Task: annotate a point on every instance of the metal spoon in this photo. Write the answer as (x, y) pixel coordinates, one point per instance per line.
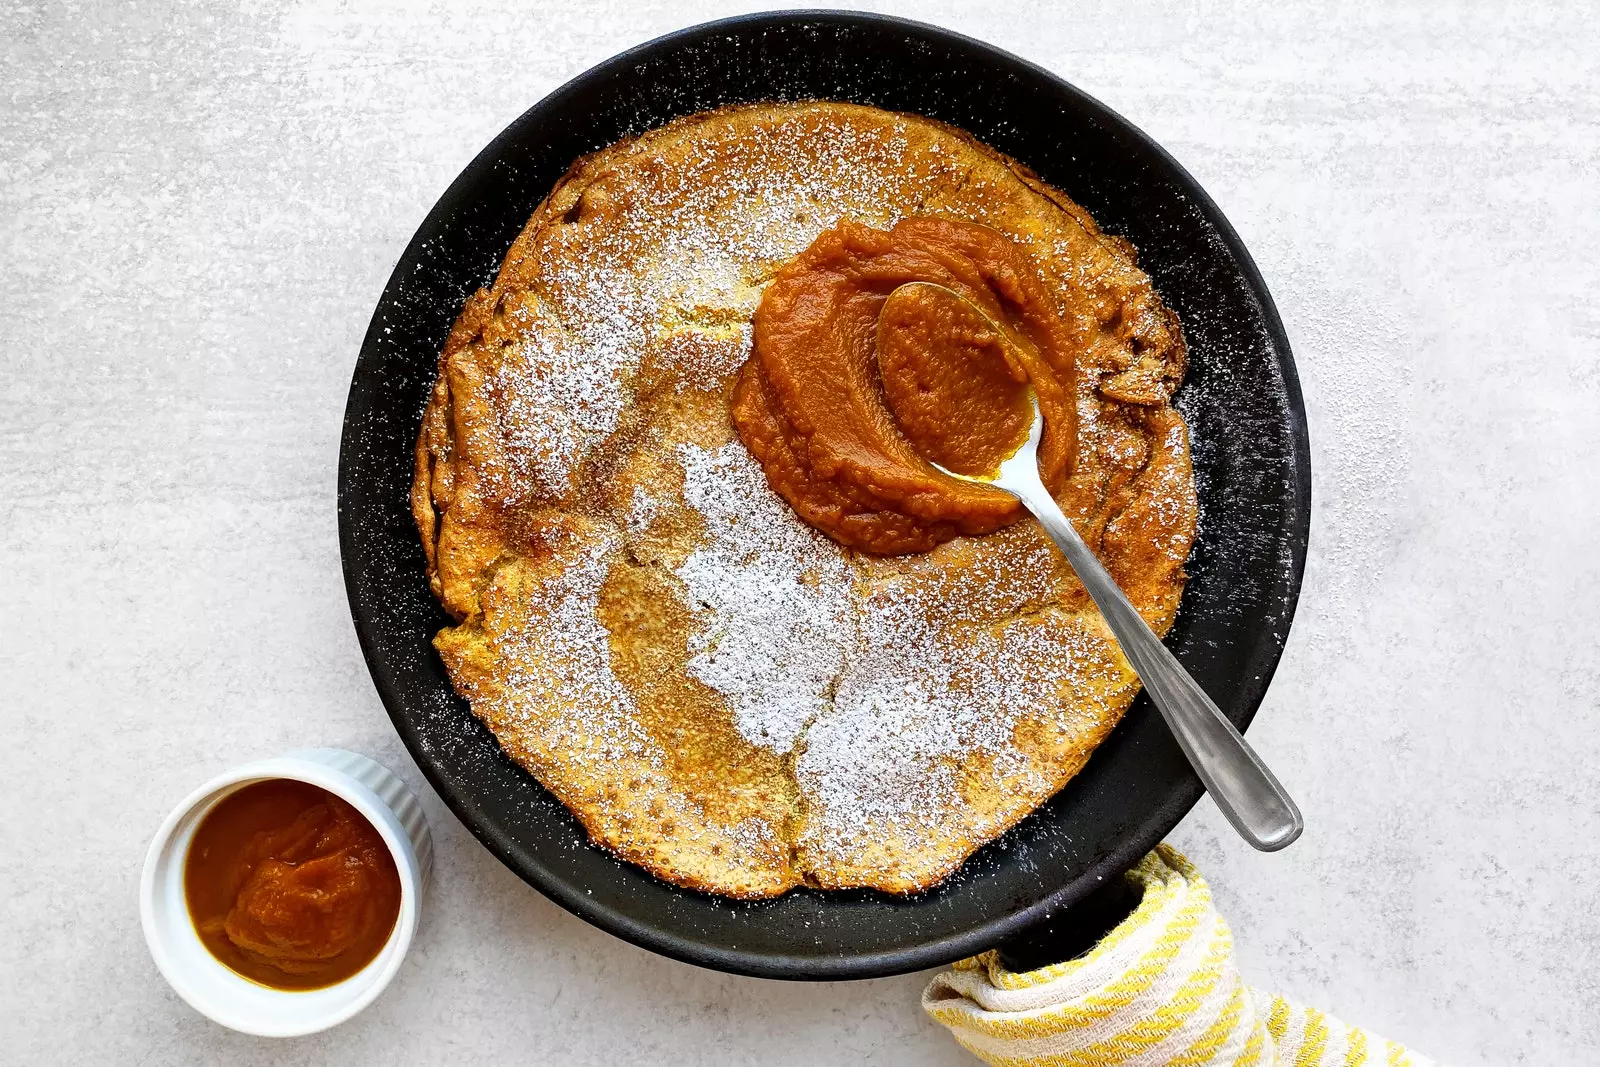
(1240, 783)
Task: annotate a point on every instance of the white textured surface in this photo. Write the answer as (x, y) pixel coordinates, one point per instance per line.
(199, 206)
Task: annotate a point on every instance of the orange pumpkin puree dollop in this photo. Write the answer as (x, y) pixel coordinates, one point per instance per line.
(290, 886)
(850, 398)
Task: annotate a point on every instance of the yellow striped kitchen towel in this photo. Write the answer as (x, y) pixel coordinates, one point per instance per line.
(1160, 990)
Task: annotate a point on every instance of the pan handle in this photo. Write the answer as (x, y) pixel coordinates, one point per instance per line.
(1069, 934)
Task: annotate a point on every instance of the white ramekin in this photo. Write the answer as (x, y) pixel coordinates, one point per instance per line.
(231, 999)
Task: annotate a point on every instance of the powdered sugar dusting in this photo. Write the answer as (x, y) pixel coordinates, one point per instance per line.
(891, 689)
(885, 688)
(570, 656)
(773, 595)
(642, 510)
(699, 250)
(557, 400)
(928, 689)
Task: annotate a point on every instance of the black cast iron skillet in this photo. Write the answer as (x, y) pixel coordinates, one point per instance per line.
(1242, 401)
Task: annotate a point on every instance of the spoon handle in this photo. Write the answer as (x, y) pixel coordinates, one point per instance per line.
(1242, 786)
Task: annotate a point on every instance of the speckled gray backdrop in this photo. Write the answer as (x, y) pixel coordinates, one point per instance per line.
(199, 205)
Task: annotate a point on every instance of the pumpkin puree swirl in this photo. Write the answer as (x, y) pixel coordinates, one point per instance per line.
(848, 395)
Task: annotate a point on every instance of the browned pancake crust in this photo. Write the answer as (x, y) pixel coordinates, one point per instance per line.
(580, 404)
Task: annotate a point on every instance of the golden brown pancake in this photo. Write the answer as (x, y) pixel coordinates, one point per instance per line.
(720, 693)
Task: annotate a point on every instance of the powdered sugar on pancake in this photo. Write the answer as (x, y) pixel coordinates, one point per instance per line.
(691, 254)
(885, 689)
(916, 706)
(773, 595)
(571, 656)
